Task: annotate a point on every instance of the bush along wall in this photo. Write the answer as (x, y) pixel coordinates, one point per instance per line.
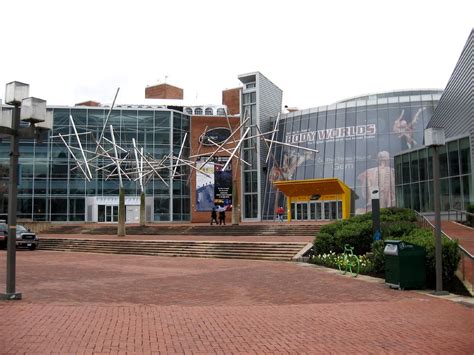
(396, 223)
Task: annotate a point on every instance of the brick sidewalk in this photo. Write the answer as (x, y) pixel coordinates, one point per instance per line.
(90, 303)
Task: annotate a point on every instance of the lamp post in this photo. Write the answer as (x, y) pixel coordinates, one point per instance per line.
(434, 137)
(33, 111)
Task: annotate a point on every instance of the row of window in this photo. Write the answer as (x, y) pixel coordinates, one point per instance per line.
(208, 111)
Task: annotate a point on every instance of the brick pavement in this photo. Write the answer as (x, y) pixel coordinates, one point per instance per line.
(464, 234)
(111, 304)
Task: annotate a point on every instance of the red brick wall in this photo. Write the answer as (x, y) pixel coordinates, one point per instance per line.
(231, 98)
(163, 91)
(198, 125)
(89, 103)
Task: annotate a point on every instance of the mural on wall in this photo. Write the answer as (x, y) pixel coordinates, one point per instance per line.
(405, 128)
(356, 145)
(381, 177)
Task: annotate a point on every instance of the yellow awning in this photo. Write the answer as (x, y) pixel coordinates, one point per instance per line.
(317, 189)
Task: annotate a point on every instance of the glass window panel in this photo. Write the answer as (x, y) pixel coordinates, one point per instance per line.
(445, 195)
(414, 166)
(80, 118)
(162, 208)
(58, 206)
(425, 197)
(406, 168)
(455, 190)
(40, 186)
(60, 117)
(464, 151)
(467, 190)
(453, 156)
(443, 162)
(423, 165)
(415, 196)
(25, 205)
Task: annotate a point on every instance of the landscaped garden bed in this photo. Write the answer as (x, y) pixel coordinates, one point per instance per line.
(396, 223)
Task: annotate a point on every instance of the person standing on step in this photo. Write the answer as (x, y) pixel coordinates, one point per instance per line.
(214, 216)
(221, 211)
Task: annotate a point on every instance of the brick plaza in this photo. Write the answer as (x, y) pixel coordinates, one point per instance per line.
(77, 303)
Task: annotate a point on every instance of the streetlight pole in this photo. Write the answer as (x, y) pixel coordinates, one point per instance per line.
(434, 137)
(33, 111)
(437, 210)
(12, 204)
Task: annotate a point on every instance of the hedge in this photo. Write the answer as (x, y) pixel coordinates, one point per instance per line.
(396, 223)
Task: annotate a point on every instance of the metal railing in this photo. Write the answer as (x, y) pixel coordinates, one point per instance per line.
(462, 216)
(465, 271)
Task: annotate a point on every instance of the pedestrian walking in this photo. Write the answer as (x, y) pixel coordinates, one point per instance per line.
(214, 216)
(280, 211)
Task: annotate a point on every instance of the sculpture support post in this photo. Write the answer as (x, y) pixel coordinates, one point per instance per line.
(121, 216)
(142, 209)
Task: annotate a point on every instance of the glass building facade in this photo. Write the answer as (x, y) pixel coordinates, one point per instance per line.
(414, 177)
(356, 139)
(52, 188)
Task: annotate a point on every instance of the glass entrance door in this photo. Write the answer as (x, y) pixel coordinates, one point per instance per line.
(316, 210)
(107, 213)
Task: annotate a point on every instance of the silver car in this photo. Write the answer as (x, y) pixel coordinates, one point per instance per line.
(24, 237)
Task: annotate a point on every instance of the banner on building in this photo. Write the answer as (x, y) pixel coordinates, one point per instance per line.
(223, 185)
(205, 186)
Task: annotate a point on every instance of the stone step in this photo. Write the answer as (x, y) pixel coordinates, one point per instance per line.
(240, 250)
(263, 229)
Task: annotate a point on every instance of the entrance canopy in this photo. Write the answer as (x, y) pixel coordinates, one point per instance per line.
(317, 189)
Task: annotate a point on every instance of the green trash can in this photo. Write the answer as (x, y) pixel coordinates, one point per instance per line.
(404, 265)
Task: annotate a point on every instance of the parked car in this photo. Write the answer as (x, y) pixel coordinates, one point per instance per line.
(24, 237)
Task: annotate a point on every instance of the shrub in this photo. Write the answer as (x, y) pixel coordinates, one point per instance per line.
(395, 230)
(357, 235)
(450, 255)
(378, 257)
(394, 214)
(324, 243)
(357, 231)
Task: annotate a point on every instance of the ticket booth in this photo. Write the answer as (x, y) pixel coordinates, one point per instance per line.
(316, 199)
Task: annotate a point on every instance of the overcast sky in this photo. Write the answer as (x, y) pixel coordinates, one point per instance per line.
(317, 52)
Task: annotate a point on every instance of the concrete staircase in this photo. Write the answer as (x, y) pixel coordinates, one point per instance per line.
(272, 229)
(201, 249)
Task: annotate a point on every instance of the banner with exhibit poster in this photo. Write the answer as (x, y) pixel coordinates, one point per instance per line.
(213, 185)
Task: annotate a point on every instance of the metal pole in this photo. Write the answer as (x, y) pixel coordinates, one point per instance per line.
(437, 208)
(11, 294)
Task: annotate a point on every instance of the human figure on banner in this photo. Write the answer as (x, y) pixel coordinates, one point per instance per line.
(405, 129)
(382, 176)
(291, 161)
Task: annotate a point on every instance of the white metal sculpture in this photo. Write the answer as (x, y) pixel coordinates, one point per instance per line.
(129, 161)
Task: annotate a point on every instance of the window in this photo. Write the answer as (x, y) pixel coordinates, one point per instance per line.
(198, 111)
(221, 112)
(188, 110)
(209, 112)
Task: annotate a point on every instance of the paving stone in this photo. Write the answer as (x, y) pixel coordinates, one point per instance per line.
(117, 304)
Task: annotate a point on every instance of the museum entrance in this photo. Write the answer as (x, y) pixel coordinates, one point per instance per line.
(107, 213)
(325, 199)
(316, 210)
